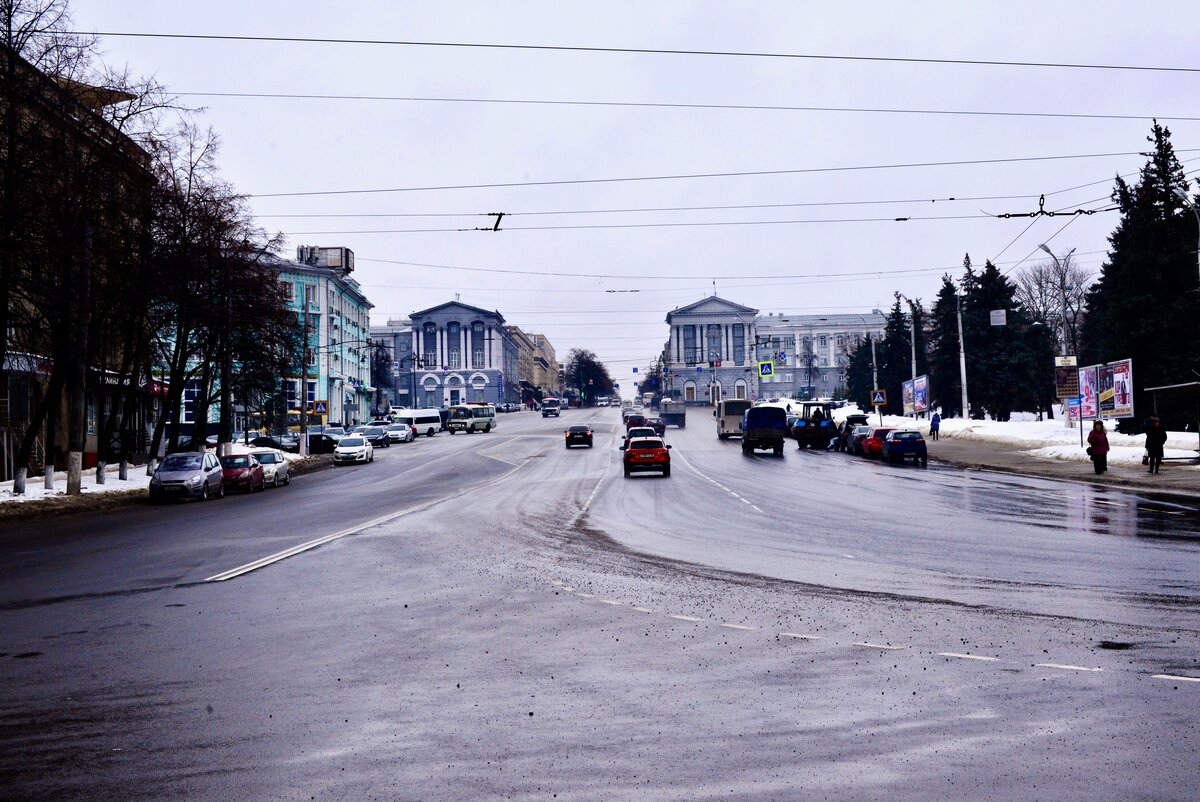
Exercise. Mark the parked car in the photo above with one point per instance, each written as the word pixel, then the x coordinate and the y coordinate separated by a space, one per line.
pixel 282 442
pixel 899 445
pixel 353 448
pixel 647 454
pixel 847 429
pixel 872 445
pixel 334 430
pixel 400 433
pixel 377 436
pixel 854 440
pixel 579 434
pixel 275 466
pixel 323 442
pixel 238 437
pixel 187 475
pixel 639 431
pixel 658 425
pixel 243 472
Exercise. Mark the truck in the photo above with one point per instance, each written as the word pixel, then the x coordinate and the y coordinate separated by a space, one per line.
pixel 673 413
pixel 763 428
pixel 814 426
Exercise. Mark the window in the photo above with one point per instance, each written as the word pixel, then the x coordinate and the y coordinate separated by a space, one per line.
pixel 454 345
pixel 823 340
pixel 739 348
pixel 477 347
pixel 739 390
pixel 191 392
pixel 310 294
pixel 689 346
pixel 689 390
pixel 713 344
pixel 289 291
pixel 841 339
pixel 477 393
pixel 429 337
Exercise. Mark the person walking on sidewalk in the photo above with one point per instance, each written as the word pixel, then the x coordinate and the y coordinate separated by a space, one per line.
pixel 1156 438
pixel 1098 445
pixel 935 426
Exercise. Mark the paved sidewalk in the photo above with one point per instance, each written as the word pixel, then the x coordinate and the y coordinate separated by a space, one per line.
pixel 1177 478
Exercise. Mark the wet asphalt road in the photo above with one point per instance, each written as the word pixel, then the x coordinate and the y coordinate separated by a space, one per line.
pixel 531 625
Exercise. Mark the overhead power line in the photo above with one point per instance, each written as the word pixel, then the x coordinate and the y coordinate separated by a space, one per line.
pixel 641 50
pixel 633 104
pixel 689 176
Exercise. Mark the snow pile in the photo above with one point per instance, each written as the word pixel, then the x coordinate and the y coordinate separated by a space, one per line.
pixel 35 486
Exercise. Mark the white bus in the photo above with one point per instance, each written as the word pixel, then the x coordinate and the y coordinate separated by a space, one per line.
pixel 471 418
pixel 729 417
pixel 423 421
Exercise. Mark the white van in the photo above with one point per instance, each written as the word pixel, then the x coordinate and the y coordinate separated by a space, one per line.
pixel 729 417
pixel 471 418
pixel 423 421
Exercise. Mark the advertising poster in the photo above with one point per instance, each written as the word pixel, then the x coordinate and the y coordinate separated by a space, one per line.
pixel 906 391
pixel 921 394
pixel 1105 390
pixel 1121 378
pixel 1089 404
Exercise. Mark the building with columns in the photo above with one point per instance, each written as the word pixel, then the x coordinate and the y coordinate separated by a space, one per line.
pixel 463 353
pixel 710 352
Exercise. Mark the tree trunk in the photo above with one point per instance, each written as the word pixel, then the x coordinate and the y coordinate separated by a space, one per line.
pixel 37 416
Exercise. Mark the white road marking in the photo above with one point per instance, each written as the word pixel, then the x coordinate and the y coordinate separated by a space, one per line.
pixel 556 582
pixel 1176 677
pixel 684 618
pixel 706 478
pixel 850 556
pixel 568 589
pixel 271 559
pixel 1108 503
pixel 739 626
pixel 1066 667
pixel 868 645
pixel 614 603
pixel 641 609
pixel 587 505
pixel 587 595
pixel 801 637
pixel 961 656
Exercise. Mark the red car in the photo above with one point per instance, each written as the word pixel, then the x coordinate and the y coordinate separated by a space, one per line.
pixel 634 420
pixel 872 446
pixel 647 454
pixel 243 472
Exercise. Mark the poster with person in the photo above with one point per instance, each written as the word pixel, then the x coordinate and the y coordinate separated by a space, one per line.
pixel 1105 390
pixel 1121 405
pixel 1089 402
pixel 906 393
pixel 921 394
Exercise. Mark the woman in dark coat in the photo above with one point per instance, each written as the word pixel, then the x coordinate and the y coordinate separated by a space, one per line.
pixel 1156 438
pixel 1098 441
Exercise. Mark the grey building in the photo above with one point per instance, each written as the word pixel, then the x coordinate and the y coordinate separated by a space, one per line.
pixel 811 352
pixel 393 361
pixel 462 353
pixel 709 354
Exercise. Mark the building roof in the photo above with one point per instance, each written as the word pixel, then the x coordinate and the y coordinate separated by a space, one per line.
pixel 712 305
pixel 460 304
pixel 348 284
pixel 783 320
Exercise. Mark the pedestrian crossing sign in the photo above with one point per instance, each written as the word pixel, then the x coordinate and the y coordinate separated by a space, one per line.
pixel 320 408
pixel 766 369
pixel 879 398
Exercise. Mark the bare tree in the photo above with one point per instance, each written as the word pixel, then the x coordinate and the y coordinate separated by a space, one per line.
pixel 1046 290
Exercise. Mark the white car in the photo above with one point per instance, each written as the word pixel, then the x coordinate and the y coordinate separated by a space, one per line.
pixel 400 432
pixel 275 466
pixel 353 448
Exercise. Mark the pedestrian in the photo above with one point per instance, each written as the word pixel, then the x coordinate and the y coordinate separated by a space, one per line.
pixel 1098 446
pixel 1156 438
pixel 935 426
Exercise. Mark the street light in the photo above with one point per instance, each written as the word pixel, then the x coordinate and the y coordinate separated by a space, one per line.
pixel 1183 196
pixel 912 330
pixel 874 368
pixel 1062 291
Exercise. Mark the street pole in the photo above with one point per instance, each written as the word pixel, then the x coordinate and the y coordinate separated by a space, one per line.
pixel 875 377
pixel 962 360
pixel 1062 291
pixel 302 395
pixel 912 337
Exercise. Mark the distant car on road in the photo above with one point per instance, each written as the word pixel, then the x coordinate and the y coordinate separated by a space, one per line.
pixel 550 407
pixel 657 424
pixel 762 428
pixel 274 465
pixel 377 436
pixel 899 445
pixel 400 433
pixel 579 434
pixel 636 419
pixel 647 454
pixel 872 445
pixel 282 442
pixel 187 475
pixel 243 472
pixel 354 448
pixel 639 431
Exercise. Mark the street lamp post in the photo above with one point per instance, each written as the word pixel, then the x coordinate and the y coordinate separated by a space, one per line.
pixel 874 368
pixel 912 336
pixel 962 359
pixel 1062 292
pixel 1183 196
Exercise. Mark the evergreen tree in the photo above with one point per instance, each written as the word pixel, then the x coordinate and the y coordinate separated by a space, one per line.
pixel 945 384
pixel 859 377
pixel 1145 305
pixel 1004 363
pixel 893 354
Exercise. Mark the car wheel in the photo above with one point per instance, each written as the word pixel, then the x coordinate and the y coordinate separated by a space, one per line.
pixel 627 472
pixel 666 471
pixel 287 479
pixel 429 433
pixel 204 492
pixel 372 457
pixel 487 429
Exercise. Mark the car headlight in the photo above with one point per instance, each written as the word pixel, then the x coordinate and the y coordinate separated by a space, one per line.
pixel 154 480
pixel 195 481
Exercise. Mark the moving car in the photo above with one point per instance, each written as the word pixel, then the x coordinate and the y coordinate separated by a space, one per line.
pixel 872 444
pixel 579 434
pixel 899 445
pixel 647 454
pixel 657 424
pixel 377 436
pixel 636 419
pixel 274 465
pixel 639 431
pixel 763 428
pixel 187 475
pixel 243 472
pixel 472 417
pixel 424 421
pixel 354 448
pixel 400 433
pixel 550 406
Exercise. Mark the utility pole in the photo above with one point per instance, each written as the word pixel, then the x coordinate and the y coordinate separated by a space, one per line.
pixel 912 337
pixel 302 395
pixel 875 377
pixel 1062 291
pixel 962 360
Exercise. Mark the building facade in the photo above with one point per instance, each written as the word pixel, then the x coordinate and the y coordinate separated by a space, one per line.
pixel 811 352
pixel 525 353
pixel 336 371
pixel 709 353
pixel 394 360
pixel 545 365
pixel 464 353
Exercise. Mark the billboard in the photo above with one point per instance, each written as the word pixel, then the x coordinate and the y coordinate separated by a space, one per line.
pixel 906 393
pixel 1089 403
pixel 1116 389
pixel 921 394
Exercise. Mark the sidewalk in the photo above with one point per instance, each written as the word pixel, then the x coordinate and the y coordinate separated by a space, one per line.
pixel 1176 478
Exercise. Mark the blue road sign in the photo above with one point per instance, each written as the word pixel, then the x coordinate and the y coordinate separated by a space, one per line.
pixel 878 398
pixel 766 369
pixel 320 407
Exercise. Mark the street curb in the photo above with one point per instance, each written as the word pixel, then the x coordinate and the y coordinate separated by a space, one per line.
pixel 1115 482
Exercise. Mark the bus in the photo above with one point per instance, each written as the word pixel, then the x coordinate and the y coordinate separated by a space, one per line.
pixel 472 417
pixel 647 399
pixel 729 417
pixel 423 421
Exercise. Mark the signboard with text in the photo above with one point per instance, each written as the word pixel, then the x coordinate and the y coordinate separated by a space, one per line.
pixel 1089 403
pixel 1115 389
pixel 921 394
pixel 906 395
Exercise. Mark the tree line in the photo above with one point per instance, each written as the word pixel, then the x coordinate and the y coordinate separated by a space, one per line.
pixel 1144 305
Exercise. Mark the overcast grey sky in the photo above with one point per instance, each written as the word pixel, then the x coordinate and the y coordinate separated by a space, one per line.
pixel 306 145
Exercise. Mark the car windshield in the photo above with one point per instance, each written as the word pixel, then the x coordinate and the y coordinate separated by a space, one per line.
pixel 351 442
pixel 397 427
pixel 181 462
pixel 372 431
pixel 580 429
pixel 906 435
pixel 266 458
pixel 236 461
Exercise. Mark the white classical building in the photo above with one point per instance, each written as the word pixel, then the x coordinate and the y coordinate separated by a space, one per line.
pixel 710 352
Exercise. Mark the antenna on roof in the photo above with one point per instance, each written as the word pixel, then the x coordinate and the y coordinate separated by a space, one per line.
pixel 714 287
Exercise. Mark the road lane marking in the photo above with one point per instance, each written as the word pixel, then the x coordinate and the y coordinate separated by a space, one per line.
pixel 587 595
pixel 642 609
pixel 798 636
pixel 706 478
pixel 271 559
pixel 1108 503
pixel 587 505
pixel 613 603
pixel 962 656
pixel 868 645
pixel 1067 667
pixel 1176 677
pixel 739 626
pixel 556 582
pixel 684 618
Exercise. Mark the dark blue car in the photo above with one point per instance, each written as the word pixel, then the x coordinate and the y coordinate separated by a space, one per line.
pixel 900 445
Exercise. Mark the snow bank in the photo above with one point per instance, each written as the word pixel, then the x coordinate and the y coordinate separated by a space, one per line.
pixel 35 488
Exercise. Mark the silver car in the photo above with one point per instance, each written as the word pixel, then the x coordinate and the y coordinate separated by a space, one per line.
pixel 187 475
pixel 275 466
